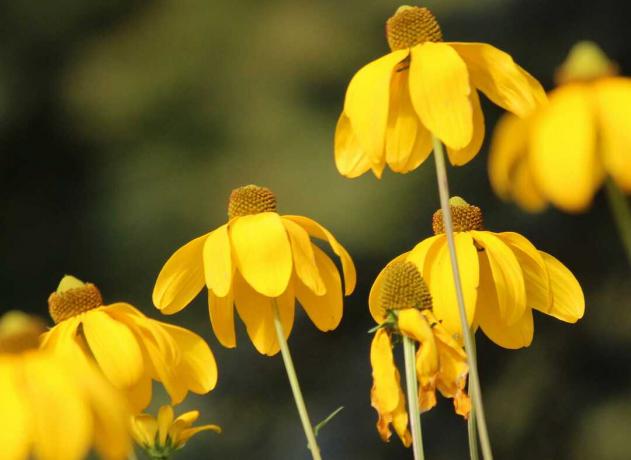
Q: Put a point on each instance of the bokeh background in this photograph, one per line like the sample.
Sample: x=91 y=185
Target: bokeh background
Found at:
x=125 y=124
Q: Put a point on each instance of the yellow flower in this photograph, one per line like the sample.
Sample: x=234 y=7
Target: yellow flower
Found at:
x=504 y=277
x=255 y=260
x=55 y=406
x=162 y=436
x=425 y=87
x=131 y=349
x=405 y=308
x=562 y=153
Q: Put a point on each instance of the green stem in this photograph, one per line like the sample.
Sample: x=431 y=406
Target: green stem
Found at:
x=474 y=389
x=619 y=206
x=295 y=386
x=412 y=390
x=472 y=426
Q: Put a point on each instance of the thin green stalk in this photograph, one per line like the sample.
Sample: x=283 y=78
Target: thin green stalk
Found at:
x=619 y=206
x=412 y=390
x=472 y=426
x=474 y=389
x=295 y=386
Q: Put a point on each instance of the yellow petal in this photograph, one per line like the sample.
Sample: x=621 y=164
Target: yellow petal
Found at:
x=181 y=278
x=139 y=394
x=439 y=87
x=165 y=418
x=504 y=82
x=507 y=276
x=188 y=418
x=144 y=429
x=218 y=261
x=387 y=387
x=256 y=312
x=221 y=312
x=424 y=254
x=367 y=102
x=413 y=324
x=378 y=314
x=613 y=98
x=190 y=432
x=408 y=143
x=563 y=149
x=441 y=282
x=114 y=347
x=350 y=158
x=568 y=301
x=488 y=314
x=304 y=260
x=318 y=231
x=324 y=311
x=459 y=157
x=262 y=251
x=15 y=429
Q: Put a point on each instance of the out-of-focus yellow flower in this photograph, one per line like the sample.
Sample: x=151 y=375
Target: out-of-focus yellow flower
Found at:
x=131 y=349
x=404 y=303
x=562 y=153
x=55 y=406
x=255 y=260
x=162 y=436
x=425 y=87
x=504 y=277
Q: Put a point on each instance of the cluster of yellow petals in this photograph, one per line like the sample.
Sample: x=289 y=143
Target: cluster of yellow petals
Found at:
x=130 y=349
x=55 y=405
x=395 y=104
x=258 y=261
x=565 y=149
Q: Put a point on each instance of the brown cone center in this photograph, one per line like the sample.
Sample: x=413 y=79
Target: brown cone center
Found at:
x=64 y=305
x=403 y=287
x=465 y=217
x=410 y=26
x=251 y=199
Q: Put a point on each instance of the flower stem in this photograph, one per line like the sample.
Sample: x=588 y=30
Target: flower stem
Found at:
x=411 y=385
x=295 y=386
x=474 y=389
x=619 y=206
x=472 y=426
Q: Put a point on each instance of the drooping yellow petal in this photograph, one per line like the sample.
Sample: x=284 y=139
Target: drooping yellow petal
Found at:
x=413 y=323
x=439 y=88
x=384 y=371
x=613 y=99
x=181 y=278
x=144 y=429
x=508 y=148
x=350 y=158
x=563 y=149
x=304 y=259
x=424 y=254
x=262 y=252
x=568 y=301
x=504 y=82
x=459 y=157
x=441 y=282
x=15 y=429
x=218 y=267
x=324 y=311
x=165 y=418
x=489 y=317
x=221 y=312
x=367 y=102
x=318 y=231
x=507 y=276
x=378 y=313
x=139 y=394
x=114 y=347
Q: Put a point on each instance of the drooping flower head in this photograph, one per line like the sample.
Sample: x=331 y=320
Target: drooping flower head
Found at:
x=402 y=305
x=258 y=261
x=565 y=149
x=55 y=406
x=425 y=87
x=129 y=348
x=504 y=277
x=160 y=437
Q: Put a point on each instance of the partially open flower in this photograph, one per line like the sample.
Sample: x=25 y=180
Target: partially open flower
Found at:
x=562 y=153
x=55 y=406
x=257 y=260
x=405 y=307
x=504 y=277
x=131 y=349
x=425 y=87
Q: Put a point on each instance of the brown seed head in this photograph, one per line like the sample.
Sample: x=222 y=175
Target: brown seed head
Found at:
x=410 y=26
x=73 y=298
x=465 y=217
x=403 y=287
x=585 y=62
x=251 y=199
x=19 y=332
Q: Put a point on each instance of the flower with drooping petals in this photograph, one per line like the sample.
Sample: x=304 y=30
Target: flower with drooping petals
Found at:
x=425 y=87
x=256 y=261
x=131 y=349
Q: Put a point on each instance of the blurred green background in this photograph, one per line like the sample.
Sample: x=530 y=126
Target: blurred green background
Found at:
x=125 y=124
